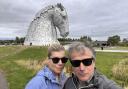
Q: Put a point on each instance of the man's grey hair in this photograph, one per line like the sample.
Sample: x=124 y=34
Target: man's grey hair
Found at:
x=55 y=47
x=81 y=47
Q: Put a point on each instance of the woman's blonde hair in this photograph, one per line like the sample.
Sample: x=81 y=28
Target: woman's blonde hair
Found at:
x=55 y=47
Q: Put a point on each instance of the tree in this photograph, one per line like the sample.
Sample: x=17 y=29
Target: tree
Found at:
x=125 y=42
x=22 y=40
x=17 y=40
x=85 y=38
x=114 y=40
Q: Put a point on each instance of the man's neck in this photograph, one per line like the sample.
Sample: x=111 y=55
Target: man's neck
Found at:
x=83 y=83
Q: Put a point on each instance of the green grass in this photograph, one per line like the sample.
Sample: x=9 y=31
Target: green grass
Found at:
x=31 y=53
x=18 y=75
x=105 y=61
x=9 y=50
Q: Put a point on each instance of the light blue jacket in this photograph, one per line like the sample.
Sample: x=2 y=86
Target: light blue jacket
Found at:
x=45 y=79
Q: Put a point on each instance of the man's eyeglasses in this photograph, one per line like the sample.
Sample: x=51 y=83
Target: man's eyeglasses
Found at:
x=55 y=60
x=86 y=62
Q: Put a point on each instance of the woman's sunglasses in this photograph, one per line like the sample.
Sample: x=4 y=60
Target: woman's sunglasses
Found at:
x=55 y=60
x=86 y=62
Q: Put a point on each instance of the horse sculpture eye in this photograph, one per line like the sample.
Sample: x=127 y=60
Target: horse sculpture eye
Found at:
x=64 y=17
x=62 y=9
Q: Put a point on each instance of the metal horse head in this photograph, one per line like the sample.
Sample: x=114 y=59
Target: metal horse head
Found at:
x=42 y=30
x=60 y=20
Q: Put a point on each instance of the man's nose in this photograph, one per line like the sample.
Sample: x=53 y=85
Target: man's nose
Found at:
x=82 y=67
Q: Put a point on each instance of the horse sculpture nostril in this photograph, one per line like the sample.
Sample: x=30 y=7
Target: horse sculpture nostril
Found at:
x=64 y=34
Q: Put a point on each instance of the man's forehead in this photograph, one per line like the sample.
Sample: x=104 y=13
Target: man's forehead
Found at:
x=86 y=52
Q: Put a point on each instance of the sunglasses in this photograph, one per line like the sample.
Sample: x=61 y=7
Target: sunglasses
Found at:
x=55 y=60
x=86 y=62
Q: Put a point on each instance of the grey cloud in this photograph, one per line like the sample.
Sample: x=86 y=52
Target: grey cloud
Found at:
x=96 y=18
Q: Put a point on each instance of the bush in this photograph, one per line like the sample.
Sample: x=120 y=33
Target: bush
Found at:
x=120 y=71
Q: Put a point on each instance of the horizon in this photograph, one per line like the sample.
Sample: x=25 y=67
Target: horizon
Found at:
x=60 y=37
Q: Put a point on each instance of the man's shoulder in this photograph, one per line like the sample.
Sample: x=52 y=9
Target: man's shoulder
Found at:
x=103 y=79
x=107 y=83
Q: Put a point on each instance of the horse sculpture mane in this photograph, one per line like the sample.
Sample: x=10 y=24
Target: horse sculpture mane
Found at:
x=43 y=28
x=42 y=11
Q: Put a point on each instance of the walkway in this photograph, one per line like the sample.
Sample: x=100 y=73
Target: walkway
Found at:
x=124 y=51
x=3 y=82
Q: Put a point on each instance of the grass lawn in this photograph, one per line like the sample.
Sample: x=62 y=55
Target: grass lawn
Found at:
x=105 y=62
x=18 y=75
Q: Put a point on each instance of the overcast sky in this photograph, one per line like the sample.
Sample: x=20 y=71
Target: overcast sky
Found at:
x=98 y=19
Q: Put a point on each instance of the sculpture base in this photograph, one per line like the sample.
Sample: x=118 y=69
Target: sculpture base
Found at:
x=38 y=43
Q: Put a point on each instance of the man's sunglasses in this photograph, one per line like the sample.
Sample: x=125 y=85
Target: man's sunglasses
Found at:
x=55 y=60
x=86 y=62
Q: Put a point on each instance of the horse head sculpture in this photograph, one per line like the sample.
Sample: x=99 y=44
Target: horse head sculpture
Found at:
x=43 y=29
x=60 y=20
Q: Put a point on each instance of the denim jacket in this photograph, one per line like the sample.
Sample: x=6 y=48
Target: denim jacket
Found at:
x=45 y=79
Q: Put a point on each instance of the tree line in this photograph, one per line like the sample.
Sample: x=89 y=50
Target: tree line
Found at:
x=112 y=40
x=16 y=41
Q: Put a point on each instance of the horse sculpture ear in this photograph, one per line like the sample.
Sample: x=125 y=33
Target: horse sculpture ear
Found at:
x=60 y=6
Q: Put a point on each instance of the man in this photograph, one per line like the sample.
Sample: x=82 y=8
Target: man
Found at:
x=51 y=76
x=85 y=76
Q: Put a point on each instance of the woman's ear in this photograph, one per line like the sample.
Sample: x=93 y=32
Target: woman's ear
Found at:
x=46 y=62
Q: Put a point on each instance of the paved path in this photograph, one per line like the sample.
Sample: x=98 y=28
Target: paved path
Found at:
x=122 y=51
x=3 y=82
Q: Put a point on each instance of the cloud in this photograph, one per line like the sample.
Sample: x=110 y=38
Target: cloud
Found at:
x=9 y=33
x=98 y=19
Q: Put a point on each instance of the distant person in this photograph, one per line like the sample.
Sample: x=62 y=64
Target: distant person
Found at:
x=30 y=44
x=85 y=75
x=51 y=76
x=102 y=48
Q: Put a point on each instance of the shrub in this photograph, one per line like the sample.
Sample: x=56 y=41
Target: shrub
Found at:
x=120 y=71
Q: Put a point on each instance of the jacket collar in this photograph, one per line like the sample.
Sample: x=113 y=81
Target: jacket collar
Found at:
x=47 y=73
x=93 y=79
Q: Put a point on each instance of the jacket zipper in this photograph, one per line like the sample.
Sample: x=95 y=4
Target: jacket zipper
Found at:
x=74 y=84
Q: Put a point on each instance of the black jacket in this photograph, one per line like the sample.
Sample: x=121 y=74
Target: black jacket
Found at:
x=98 y=81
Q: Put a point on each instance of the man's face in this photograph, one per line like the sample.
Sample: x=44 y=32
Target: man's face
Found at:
x=57 y=67
x=83 y=72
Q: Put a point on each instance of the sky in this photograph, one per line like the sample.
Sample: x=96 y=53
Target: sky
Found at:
x=98 y=19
